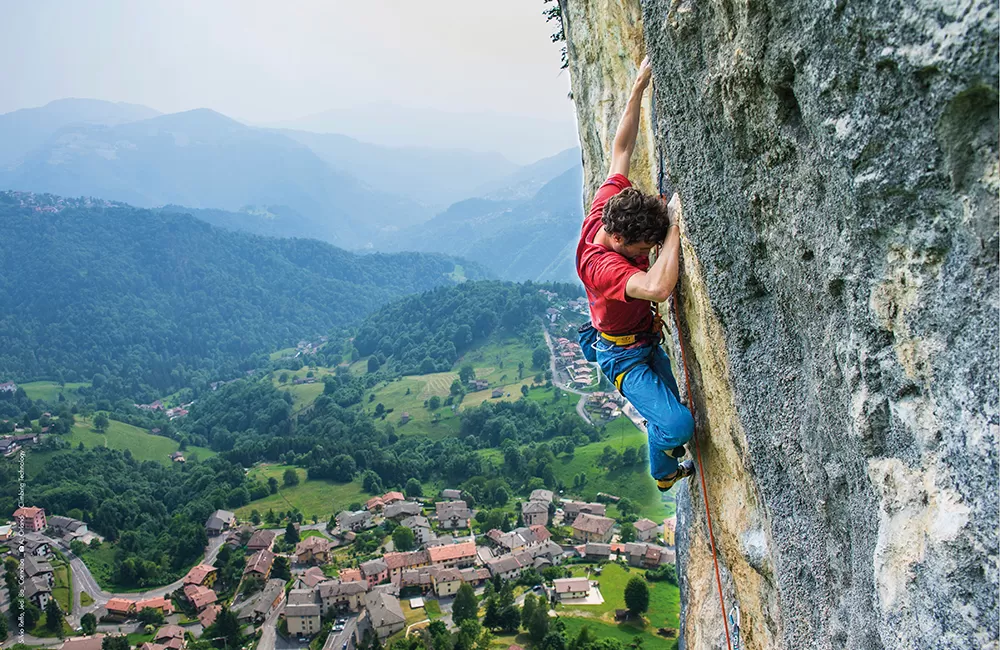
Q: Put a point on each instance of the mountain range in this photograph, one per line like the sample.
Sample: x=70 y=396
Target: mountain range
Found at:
x=530 y=238
x=291 y=183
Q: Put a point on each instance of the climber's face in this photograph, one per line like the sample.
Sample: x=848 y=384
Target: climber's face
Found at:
x=633 y=251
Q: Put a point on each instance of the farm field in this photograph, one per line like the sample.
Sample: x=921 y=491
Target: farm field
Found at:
x=143 y=445
x=49 y=390
x=320 y=498
x=496 y=361
x=302 y=394
x=285 y=352
x=394 y=396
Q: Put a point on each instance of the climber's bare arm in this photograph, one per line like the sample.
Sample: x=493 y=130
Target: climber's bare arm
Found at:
x=628 y=127
x=658 y=282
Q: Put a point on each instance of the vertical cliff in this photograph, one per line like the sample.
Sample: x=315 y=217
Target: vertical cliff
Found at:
x=838 y=165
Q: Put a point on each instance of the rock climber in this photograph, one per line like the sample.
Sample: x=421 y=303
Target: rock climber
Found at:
x=612 y=260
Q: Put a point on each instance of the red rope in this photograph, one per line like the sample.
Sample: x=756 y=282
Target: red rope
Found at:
x=701 y=470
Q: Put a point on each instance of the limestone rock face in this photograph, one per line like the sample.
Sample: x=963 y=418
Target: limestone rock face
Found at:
x=838 y=166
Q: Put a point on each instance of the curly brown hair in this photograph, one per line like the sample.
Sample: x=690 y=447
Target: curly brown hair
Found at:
x=636 y=217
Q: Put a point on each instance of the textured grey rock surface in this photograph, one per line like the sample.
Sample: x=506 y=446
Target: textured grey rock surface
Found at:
x=838 y=166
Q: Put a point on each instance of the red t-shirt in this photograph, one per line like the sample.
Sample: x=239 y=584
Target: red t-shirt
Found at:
x=605 y=273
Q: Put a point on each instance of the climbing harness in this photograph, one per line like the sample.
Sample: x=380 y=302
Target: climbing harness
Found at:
x=687 y=382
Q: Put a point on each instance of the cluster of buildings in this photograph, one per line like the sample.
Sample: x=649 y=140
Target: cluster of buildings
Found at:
x=608 y=404
x=39 y=575
x=569 y=359
x=441 y=563
x=450 y=514
x=171 y=413
x=167 y=637
x=10 y=445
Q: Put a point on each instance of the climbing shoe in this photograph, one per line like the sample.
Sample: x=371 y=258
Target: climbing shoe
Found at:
x=684 y=470
x=677 y=452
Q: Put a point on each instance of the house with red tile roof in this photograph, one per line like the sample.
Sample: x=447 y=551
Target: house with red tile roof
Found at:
x=351 y=575
x=392 y=497
x=399 y=561
x=120 y=607
x=312 y=577
x=261 y=539
x=201 y=597
x=82 y=643
x=453 y=555
x=34 y=518
x=313 y=549
x=669 y=530
x=208 y=615
x=645 y=530
x=201 y=574
x=162 y=604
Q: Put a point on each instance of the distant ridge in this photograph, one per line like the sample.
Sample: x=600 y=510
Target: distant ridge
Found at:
x=25 y=129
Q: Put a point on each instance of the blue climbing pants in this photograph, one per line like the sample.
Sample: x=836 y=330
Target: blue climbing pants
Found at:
x=650 y=387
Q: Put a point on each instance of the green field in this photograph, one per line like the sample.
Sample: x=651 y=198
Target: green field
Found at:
x=286 y=352
x=393 y=395
x=320 y=498
x=664 y=608
x=634 y=483
x=664 y=598
x=48 y=391
x=623 y=632
x=496 y=360
x=143 y=445
x=62 y=589
x=302 y=394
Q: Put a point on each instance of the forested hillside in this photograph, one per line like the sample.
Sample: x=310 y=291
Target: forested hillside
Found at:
x=428 y=332
x=163 y=299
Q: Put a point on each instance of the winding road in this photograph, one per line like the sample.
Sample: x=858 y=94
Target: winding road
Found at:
x=83 y=579
x=581 y=411
x=628 y=410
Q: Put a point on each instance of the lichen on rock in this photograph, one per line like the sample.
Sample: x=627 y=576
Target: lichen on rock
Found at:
x=838 y=165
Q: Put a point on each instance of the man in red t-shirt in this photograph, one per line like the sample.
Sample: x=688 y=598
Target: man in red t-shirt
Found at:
x=612 y=260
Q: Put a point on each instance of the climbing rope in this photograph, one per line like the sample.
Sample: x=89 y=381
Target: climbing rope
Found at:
x=687 y=381
x=701 y=469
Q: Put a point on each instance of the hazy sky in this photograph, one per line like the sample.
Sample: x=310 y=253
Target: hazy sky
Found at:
x=271 y=61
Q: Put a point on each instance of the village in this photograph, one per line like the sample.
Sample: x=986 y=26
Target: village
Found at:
x=312 y=591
